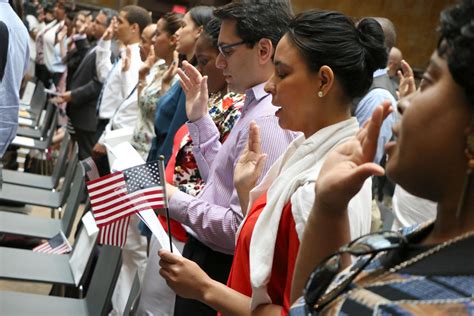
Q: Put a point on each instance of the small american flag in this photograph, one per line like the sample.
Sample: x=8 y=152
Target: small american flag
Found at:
x=56 y=245
x=115 y=233
x=91 y=168
x=118 y=195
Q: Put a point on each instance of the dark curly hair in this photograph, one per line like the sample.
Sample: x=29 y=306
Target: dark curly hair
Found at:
x=211 y=31
x=456 y=43
x=173 y=22
x=332 y=39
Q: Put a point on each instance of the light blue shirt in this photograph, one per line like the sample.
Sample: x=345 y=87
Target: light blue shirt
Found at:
x=17 y=63
x=367 y=105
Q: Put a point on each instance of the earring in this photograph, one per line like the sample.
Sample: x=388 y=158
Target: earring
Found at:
x=320 y=94
x=470 y=167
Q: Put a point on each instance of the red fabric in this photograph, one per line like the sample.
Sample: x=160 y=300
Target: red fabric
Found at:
x=177 y=230
x=284 y=258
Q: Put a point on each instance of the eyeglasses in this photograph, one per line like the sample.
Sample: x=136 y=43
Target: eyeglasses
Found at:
x=226 y=50
x=321 y=278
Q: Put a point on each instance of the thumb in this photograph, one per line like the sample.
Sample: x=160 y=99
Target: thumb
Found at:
x=204 y=86
x=260 y=164
x=362 y=172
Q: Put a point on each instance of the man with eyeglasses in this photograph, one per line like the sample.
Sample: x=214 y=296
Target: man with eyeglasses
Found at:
x=84 y=92
x=247 y=40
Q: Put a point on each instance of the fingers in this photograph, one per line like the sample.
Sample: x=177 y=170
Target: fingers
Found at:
x=369 y=136
x=204 y=89
x=366 y=170
x=254 y=142
x=193 y=74
x=168 y=257
x=407 y=70
x=184 y=81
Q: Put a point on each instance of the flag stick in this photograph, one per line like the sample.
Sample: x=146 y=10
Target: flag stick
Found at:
x=161 y=166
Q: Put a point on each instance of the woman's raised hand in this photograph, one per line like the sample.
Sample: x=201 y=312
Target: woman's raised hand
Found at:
x=195 y=87
x=170 y=73
x=407 y=80
x=146 y=66
x=350 y=164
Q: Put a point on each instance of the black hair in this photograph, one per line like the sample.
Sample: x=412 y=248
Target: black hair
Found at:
x=173 y=22
x=201 y=15
x=457 y=44
x=389 y=32
x=139 y=15
x=257 y=19
x=211 y=31
x=109 y=13
x=332 y=39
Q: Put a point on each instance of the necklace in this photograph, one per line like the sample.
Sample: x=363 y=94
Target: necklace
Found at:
x=377 y=280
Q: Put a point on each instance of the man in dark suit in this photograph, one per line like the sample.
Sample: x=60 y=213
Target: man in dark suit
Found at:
x=84 y=92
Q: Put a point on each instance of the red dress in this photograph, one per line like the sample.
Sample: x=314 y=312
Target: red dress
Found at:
x=286 y=249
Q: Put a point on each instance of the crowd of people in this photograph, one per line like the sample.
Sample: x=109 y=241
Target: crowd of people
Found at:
x=282 y=136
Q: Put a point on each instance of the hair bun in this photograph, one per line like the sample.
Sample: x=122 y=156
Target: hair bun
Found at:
x=372 y=39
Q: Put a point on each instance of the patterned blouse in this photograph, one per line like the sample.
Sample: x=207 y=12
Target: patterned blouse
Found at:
x=224 y=111
x=441 y=283
x=144 y=129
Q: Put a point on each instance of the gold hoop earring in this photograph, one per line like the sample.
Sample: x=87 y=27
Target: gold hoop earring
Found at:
x=320 y=94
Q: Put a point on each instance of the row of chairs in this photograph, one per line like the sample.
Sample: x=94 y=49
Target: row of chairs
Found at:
x=63 y=191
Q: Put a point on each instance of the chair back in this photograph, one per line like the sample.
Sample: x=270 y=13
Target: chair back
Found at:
x=37 y=102
x=71 y=168
x=48 y=137
x=60 y=165
x=103 y=280
x=73 y=200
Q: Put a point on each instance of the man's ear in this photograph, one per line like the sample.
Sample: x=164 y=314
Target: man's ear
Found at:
x=265 y=50
x=326 y=79
x=135 y=28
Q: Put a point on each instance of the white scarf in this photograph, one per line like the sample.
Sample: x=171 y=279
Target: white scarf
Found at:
x=298 y=166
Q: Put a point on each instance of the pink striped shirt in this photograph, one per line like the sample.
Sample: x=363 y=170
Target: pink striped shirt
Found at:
x=215 y=214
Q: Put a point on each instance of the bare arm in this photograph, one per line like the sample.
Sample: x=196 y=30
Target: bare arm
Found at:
x=187 y=279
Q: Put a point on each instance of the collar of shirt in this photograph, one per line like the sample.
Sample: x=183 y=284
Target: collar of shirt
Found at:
x=253 y=96
x=3 y=1
x=380 y=72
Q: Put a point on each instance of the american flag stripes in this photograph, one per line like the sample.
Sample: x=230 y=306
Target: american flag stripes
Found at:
x=118 y=195
x=56 y=245
x=115 y=233
x=90 y=167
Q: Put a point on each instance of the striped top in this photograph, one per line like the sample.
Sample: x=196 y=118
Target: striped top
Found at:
x=439 y=284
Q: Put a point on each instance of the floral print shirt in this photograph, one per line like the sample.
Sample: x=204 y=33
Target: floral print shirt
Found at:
x=144 y=129
x=224 y=111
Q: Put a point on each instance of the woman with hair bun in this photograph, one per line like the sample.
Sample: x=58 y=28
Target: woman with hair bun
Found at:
x=423 y=270
x=321 y=64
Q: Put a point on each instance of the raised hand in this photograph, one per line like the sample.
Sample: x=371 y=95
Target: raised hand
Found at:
x=350 y=164
x=249 y=167
x=146 y=66
x=170 y=73
x=126 y=59
x=110 y=31
x=407 y=80
x=195 y=87
x=183 y=276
